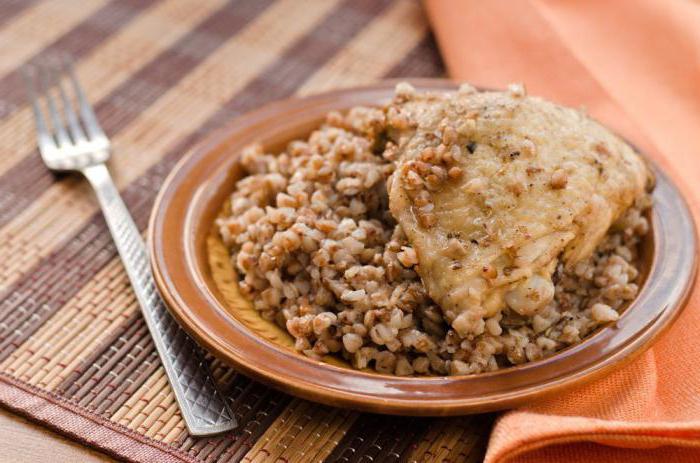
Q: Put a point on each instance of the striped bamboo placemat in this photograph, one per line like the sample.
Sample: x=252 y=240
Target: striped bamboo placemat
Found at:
x=74 y=352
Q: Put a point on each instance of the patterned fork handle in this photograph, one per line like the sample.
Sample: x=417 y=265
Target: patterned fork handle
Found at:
x=203 y=408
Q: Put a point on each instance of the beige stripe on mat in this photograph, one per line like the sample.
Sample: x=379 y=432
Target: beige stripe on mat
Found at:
x=303 y=432
x=28 y=33
x=159 y=128
x=170 y=429
x=396 y=32
x=153 y=30
x=157 y=424
x=151 y=393
x=154 y=394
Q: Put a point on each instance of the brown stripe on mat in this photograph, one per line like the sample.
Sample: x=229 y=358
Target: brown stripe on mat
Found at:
x=78 y=42
x=9 y=10
x=118 y=372
x=393 y=439
x=298 y=63
x=102 y=359
x=24 y=182
x=379 y=438
x=423 y=61
x=390 y=37
x=107 y=403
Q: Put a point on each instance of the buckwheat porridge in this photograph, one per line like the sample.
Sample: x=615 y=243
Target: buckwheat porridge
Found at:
x=443 y=233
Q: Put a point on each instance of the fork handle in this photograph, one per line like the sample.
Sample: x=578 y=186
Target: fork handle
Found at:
x=203 y=408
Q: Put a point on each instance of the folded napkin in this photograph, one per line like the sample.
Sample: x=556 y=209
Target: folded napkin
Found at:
x=635 y=65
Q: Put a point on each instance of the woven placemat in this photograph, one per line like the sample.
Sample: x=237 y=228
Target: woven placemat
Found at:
x=74 y=351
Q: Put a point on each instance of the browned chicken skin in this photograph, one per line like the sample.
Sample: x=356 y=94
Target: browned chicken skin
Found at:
x=493 y=188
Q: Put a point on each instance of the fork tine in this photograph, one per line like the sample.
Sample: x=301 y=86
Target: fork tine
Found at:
x=88 y=116
x=47 y=78
x=46 y=141
x=76 y=131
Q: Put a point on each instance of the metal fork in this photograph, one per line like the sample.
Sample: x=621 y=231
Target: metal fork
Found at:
x=72 y=140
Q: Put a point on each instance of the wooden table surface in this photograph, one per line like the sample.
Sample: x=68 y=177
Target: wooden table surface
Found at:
x=22 y=441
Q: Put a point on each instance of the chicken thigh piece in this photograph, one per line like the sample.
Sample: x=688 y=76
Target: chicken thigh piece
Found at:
x=493 y=188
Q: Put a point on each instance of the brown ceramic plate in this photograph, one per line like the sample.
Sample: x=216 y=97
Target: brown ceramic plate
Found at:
x=196 y=279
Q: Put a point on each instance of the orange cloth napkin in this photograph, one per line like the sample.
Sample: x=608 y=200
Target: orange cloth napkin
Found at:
x=635 y=65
